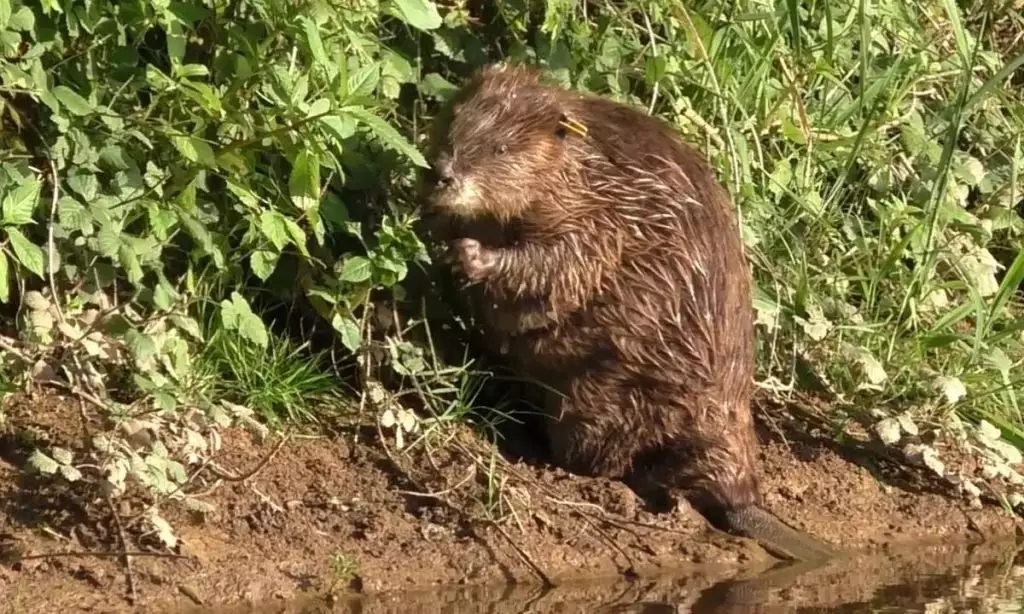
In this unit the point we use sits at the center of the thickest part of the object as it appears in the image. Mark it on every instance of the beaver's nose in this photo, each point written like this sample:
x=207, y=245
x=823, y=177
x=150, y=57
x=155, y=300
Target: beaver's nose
x=444, y=171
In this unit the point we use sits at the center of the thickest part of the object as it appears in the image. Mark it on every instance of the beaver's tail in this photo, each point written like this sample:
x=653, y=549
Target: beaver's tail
x=775, y=536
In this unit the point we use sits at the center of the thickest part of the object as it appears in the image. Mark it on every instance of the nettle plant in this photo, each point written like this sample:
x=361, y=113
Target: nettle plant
x=171, y=159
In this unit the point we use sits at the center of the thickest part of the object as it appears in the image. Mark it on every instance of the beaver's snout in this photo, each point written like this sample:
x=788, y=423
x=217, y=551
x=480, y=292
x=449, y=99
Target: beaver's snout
x=443, y=172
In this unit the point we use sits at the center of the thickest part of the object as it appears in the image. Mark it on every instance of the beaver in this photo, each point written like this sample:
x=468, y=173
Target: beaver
x=613, y=272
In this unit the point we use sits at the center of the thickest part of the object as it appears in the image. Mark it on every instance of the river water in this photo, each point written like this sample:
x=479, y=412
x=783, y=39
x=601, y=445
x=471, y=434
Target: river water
x=933, y=579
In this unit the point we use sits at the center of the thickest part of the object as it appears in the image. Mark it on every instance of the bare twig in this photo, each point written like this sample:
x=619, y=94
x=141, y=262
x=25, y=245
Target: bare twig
x=77, y=390
x=524, y=556
x=127, y=557
x=103, y=554
x=228, y=476
x=440, y=494
x=654, y=54
x=8, y=345
x=50, y=248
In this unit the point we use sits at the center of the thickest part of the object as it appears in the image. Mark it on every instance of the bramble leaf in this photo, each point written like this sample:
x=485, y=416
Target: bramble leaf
x=28, y=254
x=19, y=203
x=73, y=101
x=386, y=133
x=420, y=14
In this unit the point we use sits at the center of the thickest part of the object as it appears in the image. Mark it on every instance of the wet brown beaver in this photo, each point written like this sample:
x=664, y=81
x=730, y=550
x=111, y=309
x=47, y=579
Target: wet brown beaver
x=616, y=276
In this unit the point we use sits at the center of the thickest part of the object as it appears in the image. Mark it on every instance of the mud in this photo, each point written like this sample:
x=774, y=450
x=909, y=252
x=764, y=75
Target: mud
x=930, y=579
x=327, y=515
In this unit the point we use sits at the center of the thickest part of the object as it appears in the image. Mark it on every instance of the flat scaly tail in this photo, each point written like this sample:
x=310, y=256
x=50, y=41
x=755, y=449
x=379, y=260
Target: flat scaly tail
x=775, y=536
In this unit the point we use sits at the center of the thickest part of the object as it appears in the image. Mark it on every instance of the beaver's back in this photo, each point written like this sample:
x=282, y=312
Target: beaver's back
x=676, y=303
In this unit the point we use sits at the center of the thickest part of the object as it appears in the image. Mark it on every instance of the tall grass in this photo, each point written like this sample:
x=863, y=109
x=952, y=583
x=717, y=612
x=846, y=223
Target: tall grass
x=875, y=154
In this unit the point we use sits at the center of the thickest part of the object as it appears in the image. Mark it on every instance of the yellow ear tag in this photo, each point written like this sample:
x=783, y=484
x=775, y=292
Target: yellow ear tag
x=574, y=126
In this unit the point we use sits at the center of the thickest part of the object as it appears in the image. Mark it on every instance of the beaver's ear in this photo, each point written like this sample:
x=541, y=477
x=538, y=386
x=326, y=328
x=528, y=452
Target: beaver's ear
x=567, y=127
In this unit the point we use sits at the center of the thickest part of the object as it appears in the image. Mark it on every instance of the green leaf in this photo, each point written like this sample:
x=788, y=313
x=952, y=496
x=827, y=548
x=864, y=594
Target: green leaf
x=108, y=241
x=263, y=263
x=244, y=194
x=387, y=134
x=62, y=455
x=203, y=95
x=434, y=84
x=347, y=327
x=175, y=41
x=72, y=101
x=72, y=214
x=321, y=106
x=356, y=269
x=43, y=463
x=194, y=150
x=191, y=70
x=189, y=325
x=22, y=20
x=363, y=81
x=19, y=203
x=316, y=46
x=318, y=226
x=164, y=295
x=297, y=235
x=71, y=474
x=84, y=184
x=420, y=14
x=273, y=226
x=5, y=14
x=28, y=254
x=340, y=127
x=237, y=315
x=304, y=182
x=130, y=262
x=5, y=272
x=161, y=221
x=140, y=345
x=252, y=328
x=230, y=311
x=51, y=6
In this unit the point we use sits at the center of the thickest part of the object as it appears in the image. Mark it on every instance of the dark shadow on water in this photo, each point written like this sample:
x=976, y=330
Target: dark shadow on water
x=938, y=578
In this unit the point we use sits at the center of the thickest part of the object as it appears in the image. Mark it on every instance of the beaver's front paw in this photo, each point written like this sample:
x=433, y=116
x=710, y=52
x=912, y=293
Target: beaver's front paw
x=475, y=260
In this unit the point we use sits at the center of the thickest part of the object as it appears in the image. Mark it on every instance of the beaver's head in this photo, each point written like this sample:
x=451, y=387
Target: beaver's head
x=499, y=143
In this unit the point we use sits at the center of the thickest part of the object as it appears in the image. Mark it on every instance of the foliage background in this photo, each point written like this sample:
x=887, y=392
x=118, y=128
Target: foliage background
x=208, y=207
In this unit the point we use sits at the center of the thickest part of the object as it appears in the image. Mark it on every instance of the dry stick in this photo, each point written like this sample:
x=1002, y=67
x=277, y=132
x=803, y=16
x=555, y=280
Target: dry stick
x=77, y=390
x=654, y=54
x=230, y=477
x=366, y=367
x=128, y=573
x=103, y=554
x=8, y=345
x=605, y=536
x=615, y=522
x=50, y=249
x=440, y=493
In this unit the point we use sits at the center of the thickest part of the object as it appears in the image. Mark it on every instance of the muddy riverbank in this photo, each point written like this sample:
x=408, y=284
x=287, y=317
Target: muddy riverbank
x=324, y=513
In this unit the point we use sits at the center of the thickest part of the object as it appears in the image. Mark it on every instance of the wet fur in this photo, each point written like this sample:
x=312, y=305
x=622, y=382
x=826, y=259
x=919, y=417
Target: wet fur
x=624, y=284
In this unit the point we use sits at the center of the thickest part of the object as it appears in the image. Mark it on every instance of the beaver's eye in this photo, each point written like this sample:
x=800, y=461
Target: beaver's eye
x=501, y=149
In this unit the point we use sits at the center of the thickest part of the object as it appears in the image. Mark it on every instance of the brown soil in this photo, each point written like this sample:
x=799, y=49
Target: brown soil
x=274, y=535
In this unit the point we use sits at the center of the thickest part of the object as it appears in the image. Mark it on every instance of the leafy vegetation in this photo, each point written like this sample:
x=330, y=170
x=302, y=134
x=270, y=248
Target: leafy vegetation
x=178, y=176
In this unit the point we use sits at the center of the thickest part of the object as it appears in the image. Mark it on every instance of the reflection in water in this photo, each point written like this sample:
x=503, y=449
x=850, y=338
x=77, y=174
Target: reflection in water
x=927, y=579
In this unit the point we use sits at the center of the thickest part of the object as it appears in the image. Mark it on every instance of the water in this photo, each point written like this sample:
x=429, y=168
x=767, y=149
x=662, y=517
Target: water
x=935, y=579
